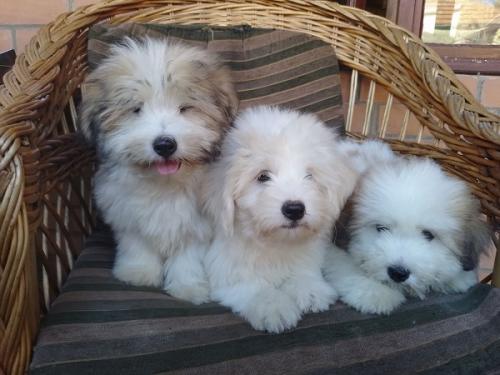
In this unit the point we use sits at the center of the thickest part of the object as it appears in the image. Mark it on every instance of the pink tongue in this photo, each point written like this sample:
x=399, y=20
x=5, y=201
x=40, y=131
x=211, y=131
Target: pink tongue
x=167, y=167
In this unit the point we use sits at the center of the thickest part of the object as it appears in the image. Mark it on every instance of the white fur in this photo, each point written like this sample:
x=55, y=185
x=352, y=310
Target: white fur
x=160, y=232
x=257, y=265
x=363, y=155
x=135, y=96
x=406, y=196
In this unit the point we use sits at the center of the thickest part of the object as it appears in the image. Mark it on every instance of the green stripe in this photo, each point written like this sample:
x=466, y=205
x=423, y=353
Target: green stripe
x=286, y=85
x=94, y=264
x=204, y=32
x=104, y=243
x=197, y=32
x=92, y=280
x=162, y=302
x=107, y=287
x=97, y=253
x=92, y=317
x=266, y=343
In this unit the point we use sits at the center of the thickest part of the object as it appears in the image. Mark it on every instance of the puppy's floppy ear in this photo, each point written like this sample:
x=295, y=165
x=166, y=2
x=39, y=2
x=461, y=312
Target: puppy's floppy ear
x=90, y=108
x=339, y=180
x=477, y=237
x=342, y=234
x=225, y=92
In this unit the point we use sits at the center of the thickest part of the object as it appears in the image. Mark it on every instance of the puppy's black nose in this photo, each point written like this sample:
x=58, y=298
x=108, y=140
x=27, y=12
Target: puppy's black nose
x=164, y=146
x=293, y=210
x=398, y=273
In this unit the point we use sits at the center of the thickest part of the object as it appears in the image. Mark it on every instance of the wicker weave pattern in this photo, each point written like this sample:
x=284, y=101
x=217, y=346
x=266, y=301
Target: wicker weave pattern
x=39, y=150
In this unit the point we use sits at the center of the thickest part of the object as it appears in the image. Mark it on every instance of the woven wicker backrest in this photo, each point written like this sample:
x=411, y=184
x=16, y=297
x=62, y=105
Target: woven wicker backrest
x=45, y=173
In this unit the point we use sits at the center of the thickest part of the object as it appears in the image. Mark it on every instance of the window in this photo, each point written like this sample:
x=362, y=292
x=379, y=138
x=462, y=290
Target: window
x=462, y=22
x=466, y=33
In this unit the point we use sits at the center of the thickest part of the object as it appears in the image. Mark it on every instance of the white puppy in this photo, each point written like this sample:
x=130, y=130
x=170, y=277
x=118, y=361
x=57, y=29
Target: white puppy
x=156, y=112
x=413, y=229
x=275, y=195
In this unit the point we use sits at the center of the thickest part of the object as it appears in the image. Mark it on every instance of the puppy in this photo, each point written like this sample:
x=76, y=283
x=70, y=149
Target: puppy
x=274, y=195
x=413, y=229
x=157, y=112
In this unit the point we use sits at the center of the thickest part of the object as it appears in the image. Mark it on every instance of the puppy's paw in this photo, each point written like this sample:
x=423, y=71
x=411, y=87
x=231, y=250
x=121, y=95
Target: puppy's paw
x=272, y=311
x=314, y=296
x=195, y=292
x=375, y=298
x=463, y=282
x=139, y=274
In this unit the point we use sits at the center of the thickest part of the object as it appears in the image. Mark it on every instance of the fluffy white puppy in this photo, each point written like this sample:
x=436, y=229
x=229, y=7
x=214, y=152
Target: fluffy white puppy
x=412, y=229
x=363, y=155
x=156, y=112
x=275, y=196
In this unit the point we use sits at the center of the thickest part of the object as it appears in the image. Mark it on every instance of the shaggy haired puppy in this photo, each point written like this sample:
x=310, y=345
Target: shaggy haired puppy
x=413, y=229
x=157, y=112
x=274, y=195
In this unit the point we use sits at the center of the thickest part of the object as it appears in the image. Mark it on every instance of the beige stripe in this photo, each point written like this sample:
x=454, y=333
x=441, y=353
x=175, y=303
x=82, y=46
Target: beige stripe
x=290, y=94
x=303, y=61
x=258, y=41
x=134, y=328
x=281, y=65
x=91, y=272
x=241, y=52
x=310, y=99
x=330, y=114
x=192, y=43
x=105, y=295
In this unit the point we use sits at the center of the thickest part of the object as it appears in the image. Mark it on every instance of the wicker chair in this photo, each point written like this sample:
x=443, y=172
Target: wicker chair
x=45, y=174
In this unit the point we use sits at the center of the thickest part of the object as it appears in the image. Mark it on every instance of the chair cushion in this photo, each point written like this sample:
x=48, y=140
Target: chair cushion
x=101, y=326
x=274, y=67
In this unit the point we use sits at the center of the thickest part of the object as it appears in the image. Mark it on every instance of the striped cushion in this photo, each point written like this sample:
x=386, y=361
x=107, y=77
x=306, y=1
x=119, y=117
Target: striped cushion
x=273, y=67
x=101, y=326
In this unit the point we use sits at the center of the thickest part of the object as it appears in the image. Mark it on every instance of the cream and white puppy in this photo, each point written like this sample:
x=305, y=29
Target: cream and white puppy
x=413, y=229
x=157, y=112
x=274, y=195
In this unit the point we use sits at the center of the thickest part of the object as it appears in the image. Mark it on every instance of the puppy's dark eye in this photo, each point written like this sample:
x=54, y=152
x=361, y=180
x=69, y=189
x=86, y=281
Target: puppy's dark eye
x=428, y=235
x=381, y=228
x=308, y=176
x=137, y=109
x=263, y=176
x=185, y=108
